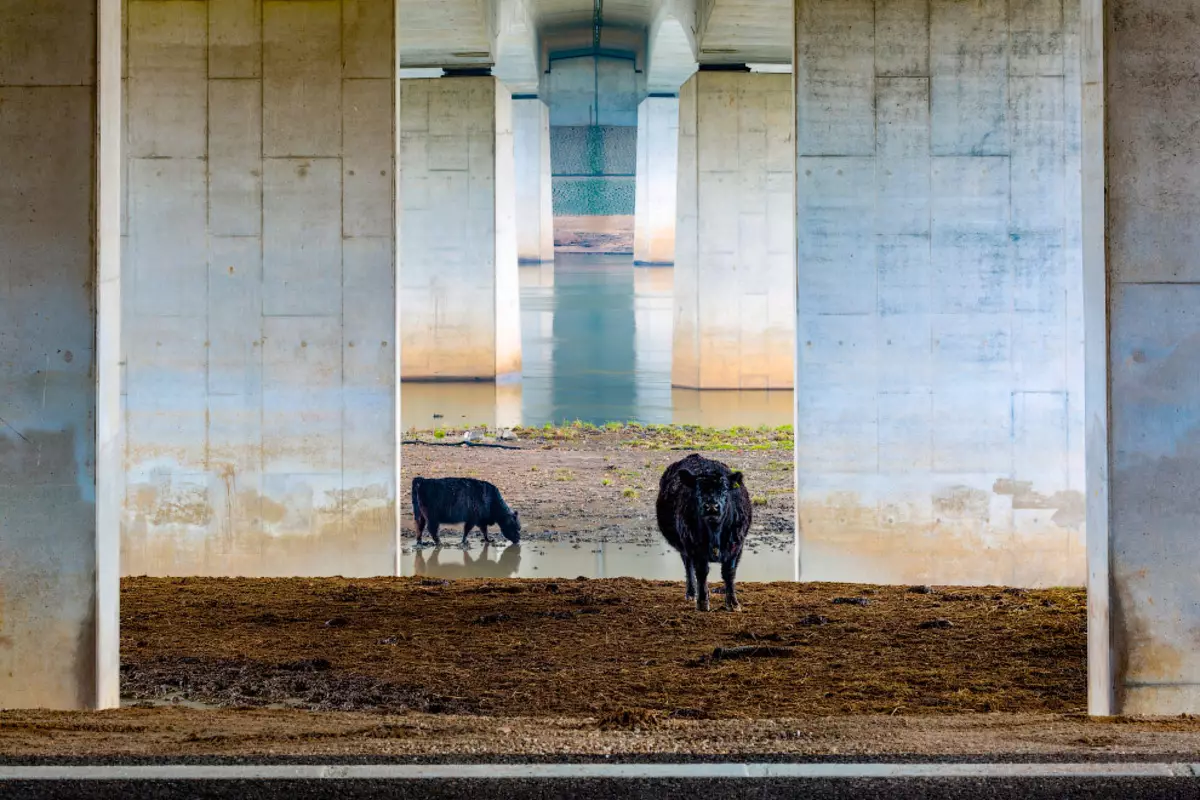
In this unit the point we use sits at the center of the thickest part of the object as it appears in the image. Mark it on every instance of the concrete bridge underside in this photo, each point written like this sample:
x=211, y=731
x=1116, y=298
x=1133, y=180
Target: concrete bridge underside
x=222, y=221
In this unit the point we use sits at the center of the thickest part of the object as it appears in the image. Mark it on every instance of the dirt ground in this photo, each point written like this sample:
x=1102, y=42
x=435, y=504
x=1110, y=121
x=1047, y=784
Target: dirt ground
x=181, y=732
x=621, y=650
x=584, y=486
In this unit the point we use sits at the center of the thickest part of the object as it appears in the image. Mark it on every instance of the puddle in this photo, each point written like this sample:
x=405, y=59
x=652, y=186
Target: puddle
x=565, y=560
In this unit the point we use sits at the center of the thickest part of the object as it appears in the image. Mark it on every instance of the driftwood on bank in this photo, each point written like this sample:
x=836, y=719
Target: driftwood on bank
x=752, y=651
x=460, y=444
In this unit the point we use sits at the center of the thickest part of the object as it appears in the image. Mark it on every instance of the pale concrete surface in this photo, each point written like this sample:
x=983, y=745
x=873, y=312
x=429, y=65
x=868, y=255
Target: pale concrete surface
x=735, y=312
x=657, y=176
x=535, y=207
x=48, y=367
x=1154, y=317
x=939, y=411
x=259, y=288
x=460, y=290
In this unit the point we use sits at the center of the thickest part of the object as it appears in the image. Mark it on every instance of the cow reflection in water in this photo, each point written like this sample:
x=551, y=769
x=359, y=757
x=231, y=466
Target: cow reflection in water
x=506, y=566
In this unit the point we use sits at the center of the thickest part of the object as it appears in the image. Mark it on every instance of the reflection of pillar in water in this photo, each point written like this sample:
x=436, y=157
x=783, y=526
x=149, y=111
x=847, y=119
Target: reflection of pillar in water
x=652, y=311
x=537, y=341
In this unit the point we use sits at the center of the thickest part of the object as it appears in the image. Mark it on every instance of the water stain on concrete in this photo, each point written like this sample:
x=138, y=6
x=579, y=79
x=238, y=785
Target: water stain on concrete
x=1069, y=506
x=963, y=502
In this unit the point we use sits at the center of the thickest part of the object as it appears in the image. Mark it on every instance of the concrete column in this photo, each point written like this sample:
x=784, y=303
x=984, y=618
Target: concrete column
x=535, y=208
x=461, y=294
x=260, y=357
x=1144, y=465
x=657, y=170
x=940, y=306
x=734, y=296
x=60, y=84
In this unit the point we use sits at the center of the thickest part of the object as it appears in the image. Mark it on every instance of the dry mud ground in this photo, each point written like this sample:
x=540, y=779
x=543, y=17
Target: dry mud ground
x=408, y=666
x=580, y=485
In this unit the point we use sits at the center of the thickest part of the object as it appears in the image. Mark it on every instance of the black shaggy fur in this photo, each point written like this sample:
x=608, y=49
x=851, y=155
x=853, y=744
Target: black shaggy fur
x=703, y=512
x=474, y=503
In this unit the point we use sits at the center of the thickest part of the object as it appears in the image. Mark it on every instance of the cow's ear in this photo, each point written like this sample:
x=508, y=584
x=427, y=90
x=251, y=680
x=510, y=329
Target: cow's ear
x=735, y=480
x=689, y=480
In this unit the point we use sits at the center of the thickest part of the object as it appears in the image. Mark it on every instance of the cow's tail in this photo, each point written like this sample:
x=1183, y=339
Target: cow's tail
x=416, y=501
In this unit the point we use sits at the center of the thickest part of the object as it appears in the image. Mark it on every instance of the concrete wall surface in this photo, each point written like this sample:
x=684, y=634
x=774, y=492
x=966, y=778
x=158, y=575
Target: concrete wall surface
x=48, y=569
x=259, y=313
x=535, y=206
x=657, y=170
x=940, y=405
x=459, y=285
x=1148, y=107
x=734, y=270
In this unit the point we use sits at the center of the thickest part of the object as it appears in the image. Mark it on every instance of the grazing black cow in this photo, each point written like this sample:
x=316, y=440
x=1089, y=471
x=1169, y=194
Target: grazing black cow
x=703, y=512
x=474, y=503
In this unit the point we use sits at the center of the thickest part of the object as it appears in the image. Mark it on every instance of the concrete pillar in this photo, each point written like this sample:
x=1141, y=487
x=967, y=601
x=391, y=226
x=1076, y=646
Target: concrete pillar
x=259, y=307
x=1143, y=403
x=734, y=296
x=657, y=170
x=60, y=84
x=940, y=326
x=460, y=286
x=535, y=208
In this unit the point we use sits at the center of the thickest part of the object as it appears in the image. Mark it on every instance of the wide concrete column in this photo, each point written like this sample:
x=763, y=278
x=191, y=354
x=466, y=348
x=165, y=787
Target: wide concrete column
x=940, y=308
x=734, y=296
x=1143, y=404
x=459, y=282
x=260, y=313
x=60, y=132
x=535, y=206
x=657, y=171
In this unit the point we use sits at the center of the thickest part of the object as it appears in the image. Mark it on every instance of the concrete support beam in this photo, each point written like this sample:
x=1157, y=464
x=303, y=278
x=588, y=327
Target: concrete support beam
x=940, y=297
x=60, y=126
x=461, y=295
x=657, y=181
x=535, y=207
x=1145, y=618
x=259, y=307
x=734, y=297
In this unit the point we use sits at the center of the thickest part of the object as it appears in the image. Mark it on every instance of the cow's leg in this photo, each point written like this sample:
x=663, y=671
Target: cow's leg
x=466, y=530
x=701, y=567
x=419, y=522
x=690, y=593
x=432, y=525
x=483, y=530
x=728, y=573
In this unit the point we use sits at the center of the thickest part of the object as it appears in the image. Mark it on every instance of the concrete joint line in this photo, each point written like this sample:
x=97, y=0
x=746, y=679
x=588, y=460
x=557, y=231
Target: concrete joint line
x=407, y=772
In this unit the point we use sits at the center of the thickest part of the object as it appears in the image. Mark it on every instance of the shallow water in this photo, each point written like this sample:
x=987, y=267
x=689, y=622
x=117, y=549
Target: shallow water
x=538, y=559
x=596, y=344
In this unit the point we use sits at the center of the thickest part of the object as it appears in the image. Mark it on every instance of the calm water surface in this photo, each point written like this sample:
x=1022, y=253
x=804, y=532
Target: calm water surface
x=535, y=559
x=596, y=342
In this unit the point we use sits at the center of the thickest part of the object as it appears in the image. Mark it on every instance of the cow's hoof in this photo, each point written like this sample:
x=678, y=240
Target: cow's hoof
x=735, y=606
x=702, y=605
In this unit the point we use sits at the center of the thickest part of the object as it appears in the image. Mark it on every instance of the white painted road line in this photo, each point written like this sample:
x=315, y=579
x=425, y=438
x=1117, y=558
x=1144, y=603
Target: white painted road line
x=250, y=772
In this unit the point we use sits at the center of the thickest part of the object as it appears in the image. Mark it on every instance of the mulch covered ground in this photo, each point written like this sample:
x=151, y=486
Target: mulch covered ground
x=628, y=653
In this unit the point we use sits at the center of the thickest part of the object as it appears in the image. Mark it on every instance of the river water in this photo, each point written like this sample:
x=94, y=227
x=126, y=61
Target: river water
x=596, y=346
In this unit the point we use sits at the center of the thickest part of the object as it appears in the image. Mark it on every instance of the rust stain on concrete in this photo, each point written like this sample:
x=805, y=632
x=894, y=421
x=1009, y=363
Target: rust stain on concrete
x=844, y=537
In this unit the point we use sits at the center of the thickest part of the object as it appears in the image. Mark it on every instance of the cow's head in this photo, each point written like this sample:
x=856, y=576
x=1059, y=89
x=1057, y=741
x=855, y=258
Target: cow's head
x=714, y=498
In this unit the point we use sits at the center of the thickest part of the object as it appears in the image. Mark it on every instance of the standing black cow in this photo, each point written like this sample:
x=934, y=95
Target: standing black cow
x=704, y=512
x=474, y=503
